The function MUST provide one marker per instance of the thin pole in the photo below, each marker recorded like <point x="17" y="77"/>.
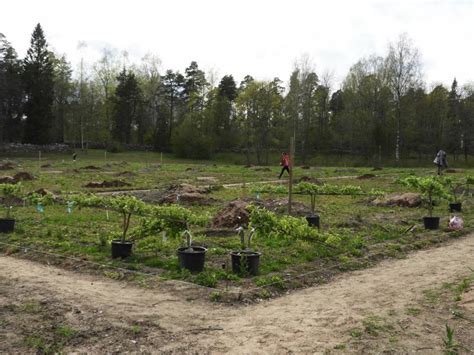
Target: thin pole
<point x="290" y="181"/>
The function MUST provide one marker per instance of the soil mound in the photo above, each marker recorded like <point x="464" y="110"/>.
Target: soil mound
<point x="408" y="199"/>
<point x="346" y="170"/>
<point x="261" y="168"/>
<point x="46" y="166"/>
<point x="280" y="206"/>
<point x="305" y="167"/>
<point x="208" y="179"/>
<point x="90" y="167"/>
<point x="23" y="176"/>
<point x="186" y="193"/>
<point x="7" y="180"/>
<point x="454" y="171"/>
<point x="233" y="215"/>
<point x="366" y="177"/>
<point x="7" y="166"/>
<point x="126" y="174"/>
<point x="105" y="183"/>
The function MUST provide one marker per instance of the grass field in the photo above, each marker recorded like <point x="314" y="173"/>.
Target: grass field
<point x="362" y="234"/>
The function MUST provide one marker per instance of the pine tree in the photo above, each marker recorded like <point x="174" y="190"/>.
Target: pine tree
<point x="39" y="87"/>
<point x="127" y="100"/>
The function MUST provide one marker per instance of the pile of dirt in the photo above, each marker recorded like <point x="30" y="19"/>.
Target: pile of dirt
<point x="7" y="166"/>
<point x="311" y="180"/>
<point x="280" y="206"/>
<point x="366" y="177"/>
<point x="346" y="170"/>
<point x="47" y="165"/>
<point x="232" y="215"/>
<point x="103" y="184"/>
<point x="376" y="168"/>
<point x="454" y="171"/>
<point x="187" y="194"/>
<point x="90" y="167"/>
<point x="208" y="179"/>
<point x="306" y="167"/>
<point x="7" y="180"/>
<point x="23" y="176"/>
<point x="261" y="168"/>
<point x="249" y="166"/>
<point x="126" y="174"/>
<point x="408" y="199"/>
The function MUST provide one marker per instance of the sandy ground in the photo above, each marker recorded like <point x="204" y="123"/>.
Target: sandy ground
<point x="400" y="306"/>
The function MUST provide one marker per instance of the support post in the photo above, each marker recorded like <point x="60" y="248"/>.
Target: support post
<point x="290" y="180"/>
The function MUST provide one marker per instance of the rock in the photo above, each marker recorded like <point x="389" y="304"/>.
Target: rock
<point x="408" y="199"/>
<point x="23" y="176"/>
<point x="233" y="215"/>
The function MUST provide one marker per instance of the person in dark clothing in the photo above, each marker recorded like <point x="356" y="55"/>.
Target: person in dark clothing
<point x="285" y="163"/>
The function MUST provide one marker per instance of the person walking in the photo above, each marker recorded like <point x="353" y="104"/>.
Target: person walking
<point x="285" y="163"/>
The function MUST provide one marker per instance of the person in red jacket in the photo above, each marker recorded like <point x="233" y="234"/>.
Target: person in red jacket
<point x="285" y="163"/>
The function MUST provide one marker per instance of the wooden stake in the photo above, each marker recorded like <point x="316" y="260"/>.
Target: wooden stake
<point x="290" y="181"/>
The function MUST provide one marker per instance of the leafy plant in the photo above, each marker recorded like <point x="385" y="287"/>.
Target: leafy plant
<point x="9" y="192"/>
<point x="429" y="187"/>
<point x="469" y="182"/>
<point x="127" y="206"/>
<point x="313" y="190"/>
<point x="241" y="232"/>
<point x="452" y="190"/>
<point x="450" y="345"/>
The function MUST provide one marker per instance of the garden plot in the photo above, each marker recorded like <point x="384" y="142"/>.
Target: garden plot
<point x="353" y="232"/>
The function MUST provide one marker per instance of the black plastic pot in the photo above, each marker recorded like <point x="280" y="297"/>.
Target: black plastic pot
<point x="245" y="262"/>
<point x="192" y="260"/>
<point x="7" y="225"/>
<point x="121" y="249"/>
<point x="455" y="206"/>
<point x="431" y="222"/>
<point x="313" y="220"/>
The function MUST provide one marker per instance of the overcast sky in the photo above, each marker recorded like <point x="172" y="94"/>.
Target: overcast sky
<point x="262" y="38"/>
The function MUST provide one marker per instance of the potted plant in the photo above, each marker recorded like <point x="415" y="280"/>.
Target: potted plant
<point x="312" y="190"/>
<point x="455" y="204"/>
<point x="9" y="192"/>
<point x="469" y="182"/>
<point x="245" y="261"/>
<point x="127" y="206"/>
<point x="191" y="257"/>
<point x="429" y="187"/>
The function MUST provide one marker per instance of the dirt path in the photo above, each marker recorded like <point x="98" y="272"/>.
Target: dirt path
<point x="362" y="311"/>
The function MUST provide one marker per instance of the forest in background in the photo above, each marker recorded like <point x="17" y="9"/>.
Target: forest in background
<point x="382" y="109"/>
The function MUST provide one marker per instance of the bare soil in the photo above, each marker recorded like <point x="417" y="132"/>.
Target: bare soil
<point x="400" y="306"/>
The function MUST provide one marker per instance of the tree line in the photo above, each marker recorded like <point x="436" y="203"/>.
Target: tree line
<point x="381" y="110"/>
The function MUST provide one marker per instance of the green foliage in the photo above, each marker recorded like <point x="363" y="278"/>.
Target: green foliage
<point x="451" y="347"/>
<point x="270" y="189"/>
<point x="39" y="199"/>
<point x="429" y="187"/>
<point x="11" y="190"/>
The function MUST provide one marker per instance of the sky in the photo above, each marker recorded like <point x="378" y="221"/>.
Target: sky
<point x="262" y="38"/>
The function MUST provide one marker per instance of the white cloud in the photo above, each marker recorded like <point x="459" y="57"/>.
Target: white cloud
<point x="258" y="37"/>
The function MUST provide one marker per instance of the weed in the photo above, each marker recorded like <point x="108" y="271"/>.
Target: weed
<point x="450" y="345"/>
<point x="136" y="329"/>
<point x="31" y="307"/>
<point x="215" y="296"/>
<point x="355" y="333"/>
<point x="66" y="331"/>
<point x="276" y="281"/>
<point x="340" y="346"/>
<point x="413" y="311"/>
<point x="264" y="294"/>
